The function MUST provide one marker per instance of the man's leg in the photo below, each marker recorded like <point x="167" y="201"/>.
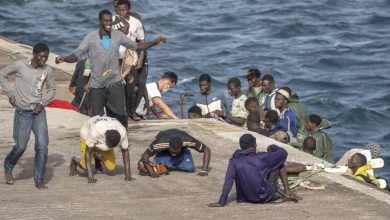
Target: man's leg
<point x="141" y="83"/>
<point x="98" y="101"/>
<point x="80" y="162"/>
<point x="116" y="103"/>
<point x="184" y="161"/>
<point x="273" y="177"/>
<point x="165" y="158"/>
<point x="108" y="159"/>
<point x="23" y="121"/>
<point x="40" y="130"/>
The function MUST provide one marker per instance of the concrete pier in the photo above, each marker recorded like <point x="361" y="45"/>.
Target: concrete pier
<point x="176" y="196"/>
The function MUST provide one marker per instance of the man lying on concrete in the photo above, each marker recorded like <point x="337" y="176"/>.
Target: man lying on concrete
<point x="101" y="135"/>
<point x="255" y="174"/>
<point x="170" y="148"/>
<point x="30" y="114"/>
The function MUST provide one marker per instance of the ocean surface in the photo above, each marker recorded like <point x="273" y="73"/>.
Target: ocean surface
<point x="335" y="54"/>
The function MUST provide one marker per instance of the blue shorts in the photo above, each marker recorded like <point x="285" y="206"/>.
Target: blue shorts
<point x="183" y="161"/>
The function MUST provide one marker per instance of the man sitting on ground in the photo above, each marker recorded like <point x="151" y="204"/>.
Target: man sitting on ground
<point x="167" y="81"/>
<point x="239" y="113"/>
<point x="255" y="174"/>
<point x="314" y="125"/>
<point x="101" y="135"/>
<point x="269" y="88"/>
<point x="358" y="165"/>
<point x="209" y="99"/>
<point x="170" y="148"/>
<point x="252" y="105"/>
<point x="286" y="117"/>
<point x="194" y="112"/>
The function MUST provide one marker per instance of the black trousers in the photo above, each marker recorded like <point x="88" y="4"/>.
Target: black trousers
<point x="136" y="90"/>
<point x="113" y="99"/>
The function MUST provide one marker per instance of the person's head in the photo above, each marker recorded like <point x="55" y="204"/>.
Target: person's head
<point x="309" y="145"/>
<point x="175" y="146"/>
<point x="251" y="104"/>
<point x="281" y="136"/>
<point x="123" y="8"/>
<point x="167" y="81"/>
<point x="234" y="86"/>
<point x="312" y="122"/>
<point x="281" y="99"/>
<point x="112" y="138"/>
<point x="253" y="76"/>
<point x="121" y="24"/>
<point x="204" y="83"/>
<point x="194" y="112"/>
<point x="375" y="149"/>
<point x="271" y="118"/>
<point x="268" y="83"/>
<point x="253" y="121"/>
<point x="247" y="141"/>
<point x="40" y="54"/>
<point x="105" y="20"/>
<point x="357" y="160"/>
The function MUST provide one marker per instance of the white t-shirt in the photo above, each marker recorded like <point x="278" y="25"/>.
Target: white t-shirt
<point x="153" y="92"/>
<point x="94" y="129"/>
<point x="136" y="31"/>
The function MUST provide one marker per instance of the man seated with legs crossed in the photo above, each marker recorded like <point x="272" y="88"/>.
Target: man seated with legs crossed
<point x="101" y="135"/>
<point x="255" y="174"/>
<point x="170" y="148"/>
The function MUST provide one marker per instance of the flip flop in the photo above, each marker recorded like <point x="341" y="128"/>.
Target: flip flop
<point x="9" y="182"/>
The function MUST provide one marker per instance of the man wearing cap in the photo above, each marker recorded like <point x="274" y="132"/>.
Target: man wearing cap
<point x="30" y="77"/>
<point x="170" y="148"/>
<point x="102" y="47"/>
<point x="286" y="117"/>
<point x="255" y="88"/>
<point x="255" y="174"/>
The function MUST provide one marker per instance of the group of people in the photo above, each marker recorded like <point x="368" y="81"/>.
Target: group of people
<point x="113" y="88"/>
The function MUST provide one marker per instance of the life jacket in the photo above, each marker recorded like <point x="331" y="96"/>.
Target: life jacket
<point x="362" y="175"/>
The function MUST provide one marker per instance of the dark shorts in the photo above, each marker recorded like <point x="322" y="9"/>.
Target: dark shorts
<point x="112" y="97"/>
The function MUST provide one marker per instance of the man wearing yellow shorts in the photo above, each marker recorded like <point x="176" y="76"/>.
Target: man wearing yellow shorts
<point x="101" y="135"/>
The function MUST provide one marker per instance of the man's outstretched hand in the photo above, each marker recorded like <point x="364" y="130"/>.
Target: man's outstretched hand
<point x="161" y="40"/>
<point x="59" y="59"/>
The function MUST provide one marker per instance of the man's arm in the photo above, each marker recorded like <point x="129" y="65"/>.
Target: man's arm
<point x="76" y="54"/>
<point x="91" y="179"/>
<point x="50" y="88"/>
<point x="287" y="192"/>
<point x="235" y="120"/>
<point x="206" y="161"/>
<point x="126" y="164"/>
<point x="164" y="107"/>
<point x="146" y="45"/>
<point x="227" y="186"/>
<point x="145" y="159"/>
<point x="140" y="61"/>
<point x="4" y="73"/>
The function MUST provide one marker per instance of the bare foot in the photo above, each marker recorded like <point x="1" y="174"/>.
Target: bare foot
<point x="8" y="177"/>
<point x="72" y="168"/>
<point x="41" y="186"/>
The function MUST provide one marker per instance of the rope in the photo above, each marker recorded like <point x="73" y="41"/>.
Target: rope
<point x="294" y="182"/>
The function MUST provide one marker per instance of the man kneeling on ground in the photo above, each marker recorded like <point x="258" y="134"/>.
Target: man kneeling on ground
<point x="101" y="135"/>
<point x="171" y="149"/>
<point x="255" y="174"/>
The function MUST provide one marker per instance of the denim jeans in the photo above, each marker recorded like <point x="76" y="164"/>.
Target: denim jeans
<point x="183" y="161"/>
<point x="24" y="122"/>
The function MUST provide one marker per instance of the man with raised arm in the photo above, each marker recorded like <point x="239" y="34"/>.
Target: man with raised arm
<point x="102" y="48"/>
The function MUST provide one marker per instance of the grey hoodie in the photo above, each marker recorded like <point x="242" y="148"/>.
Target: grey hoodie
<point x="28" y="84"/>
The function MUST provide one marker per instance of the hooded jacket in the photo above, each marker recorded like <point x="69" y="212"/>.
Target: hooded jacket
<point x="323" y="142"/>
<point x="301" y="114"/>
<point x="363" y="171"/>
<point x="250" y="171"/>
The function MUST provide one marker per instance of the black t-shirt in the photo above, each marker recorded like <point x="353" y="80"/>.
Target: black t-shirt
<point x="162" y="139"/>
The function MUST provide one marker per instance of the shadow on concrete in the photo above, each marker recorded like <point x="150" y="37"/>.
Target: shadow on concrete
<point x="27" y="165"/>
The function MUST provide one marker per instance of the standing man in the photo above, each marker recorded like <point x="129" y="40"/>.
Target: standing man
<point x="102" y="47"/>
<point x="136" y="33"/>
<point x="30" y="114"/>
